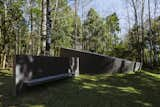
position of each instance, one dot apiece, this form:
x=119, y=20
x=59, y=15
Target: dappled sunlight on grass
x=144, y=104
x=129, y=90
x=102, y=86
x=156, y=76
x=36, y=106
x=6, y=73
x=105, y=85
x=87, y=77
x=89, y=85
x=141, y=89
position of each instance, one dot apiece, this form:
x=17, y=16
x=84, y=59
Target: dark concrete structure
x=92, y=63
x=32, y=70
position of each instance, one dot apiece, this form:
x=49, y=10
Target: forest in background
x=41, y=27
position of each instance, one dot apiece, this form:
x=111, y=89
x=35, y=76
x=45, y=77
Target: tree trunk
x=48, y=39
x=44, y=26
x=1, y=61
x=150, y=33
x=39, y=33
x=4, y=61
x=134, y=4
x=142, y=28
x=75, y=38
x=17, y=48
x=155, y=36
x=4, y=31
x=53, y=22
x=31, y=29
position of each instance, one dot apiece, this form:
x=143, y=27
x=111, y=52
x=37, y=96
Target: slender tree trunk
x=39, y=33
x=55, y=12
x=19, y=36
x=4, y=60
x=134, y=4
x=44, y=26
x=142, y=28
x=155, y=36
x=39, y=42
x=83, y=41
x=53, y=23
x=75, y=38
x=135, y=12
x=48, y=39
x=18, y=45
x=1, y=37
x=31, y=28
x=150, y=33
x=5, y=43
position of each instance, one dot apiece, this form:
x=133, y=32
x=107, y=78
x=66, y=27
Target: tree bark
x=142, y=28
x=155, y=36
x=75, y=38
x=44, y=26
x=134, y=4
x=5, y=44
x=48, y=39
x=4, y=61
x=150, y=33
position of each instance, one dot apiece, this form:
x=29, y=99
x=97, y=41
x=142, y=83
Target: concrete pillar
x=75, y=66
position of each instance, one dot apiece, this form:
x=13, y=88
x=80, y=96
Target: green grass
x=105, y=90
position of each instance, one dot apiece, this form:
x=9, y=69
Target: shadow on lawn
x=118, y=90
x=126, y=90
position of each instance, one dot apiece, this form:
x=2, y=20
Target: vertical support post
x=75, y=66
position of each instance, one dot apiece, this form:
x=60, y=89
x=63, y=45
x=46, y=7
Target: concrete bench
x=46, y=79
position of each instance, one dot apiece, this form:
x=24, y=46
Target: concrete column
x=75, y=66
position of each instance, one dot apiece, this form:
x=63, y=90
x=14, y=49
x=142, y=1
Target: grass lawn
x=117, y=90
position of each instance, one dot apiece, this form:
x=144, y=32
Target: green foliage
x=63, y=26
x=149, y=44
x=112, y=23
x=91, y=29
x=12, y=27
x=101, y=35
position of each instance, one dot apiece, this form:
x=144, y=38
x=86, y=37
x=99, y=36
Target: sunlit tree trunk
x=5, y=45
x=31, y=28
x=44, y=26
x=48, y=39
